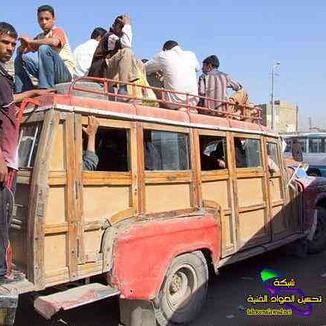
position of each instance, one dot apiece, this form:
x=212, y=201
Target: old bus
x=175, y=193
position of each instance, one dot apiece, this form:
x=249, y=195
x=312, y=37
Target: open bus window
x=166, y=151
x=247, y=153
x=212, y=153
x=28, y=142
x=112, y=149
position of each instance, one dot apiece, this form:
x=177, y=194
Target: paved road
x=226, y=296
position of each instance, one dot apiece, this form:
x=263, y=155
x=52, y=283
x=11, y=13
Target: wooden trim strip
x=197, y=195
x=250, y=208
x=56, y=228
x=216, y=175
x=250, y=173
x=277, y=203
x=97, y=178
x=57, y=178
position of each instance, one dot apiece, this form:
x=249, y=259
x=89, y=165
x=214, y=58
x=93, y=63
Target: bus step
x=49, y=305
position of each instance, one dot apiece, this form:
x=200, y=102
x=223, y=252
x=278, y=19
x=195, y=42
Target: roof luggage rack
x=103, y=88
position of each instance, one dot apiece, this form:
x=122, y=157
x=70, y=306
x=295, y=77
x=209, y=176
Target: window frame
x=251, y=137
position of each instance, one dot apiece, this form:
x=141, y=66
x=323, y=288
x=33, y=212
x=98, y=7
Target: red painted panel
x=143, y=254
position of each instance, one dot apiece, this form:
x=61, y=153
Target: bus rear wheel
x=318, y=242
x=183, y=291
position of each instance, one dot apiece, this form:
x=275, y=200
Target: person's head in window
x=240, y=154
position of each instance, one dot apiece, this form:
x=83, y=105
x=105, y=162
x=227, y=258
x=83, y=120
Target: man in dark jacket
x=113, y=57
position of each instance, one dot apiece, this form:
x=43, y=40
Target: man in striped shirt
x=214, y=84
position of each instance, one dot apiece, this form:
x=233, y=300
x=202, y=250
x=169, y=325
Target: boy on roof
x=55, y=62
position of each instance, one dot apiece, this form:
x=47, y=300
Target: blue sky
x=248, y=36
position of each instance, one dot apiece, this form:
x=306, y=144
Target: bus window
x=28, y=143
x=272, y=158
x=112, y=149
x=316, y=145
x=212, y=153
x=247, y=153
x=165, y=151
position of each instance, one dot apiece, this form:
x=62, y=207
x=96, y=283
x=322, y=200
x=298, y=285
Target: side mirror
x=297, y=152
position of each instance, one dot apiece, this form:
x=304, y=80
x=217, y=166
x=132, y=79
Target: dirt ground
x=226, y=302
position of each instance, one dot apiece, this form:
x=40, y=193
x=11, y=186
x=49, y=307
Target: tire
x=318, y=243
x=183, y=291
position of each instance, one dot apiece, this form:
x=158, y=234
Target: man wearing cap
x=214, y=84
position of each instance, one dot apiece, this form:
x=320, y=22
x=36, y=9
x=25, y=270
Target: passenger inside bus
x=240, y=154
x=153, y=160
x=90, y=159
x=213, y=153
x=112, y=149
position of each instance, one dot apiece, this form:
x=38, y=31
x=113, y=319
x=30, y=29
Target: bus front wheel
x=318, y=242
x=183, y=291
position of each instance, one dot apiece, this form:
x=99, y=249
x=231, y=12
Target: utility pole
x=273, y=114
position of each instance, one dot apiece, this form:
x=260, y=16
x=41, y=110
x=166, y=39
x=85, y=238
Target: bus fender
x=143, y=254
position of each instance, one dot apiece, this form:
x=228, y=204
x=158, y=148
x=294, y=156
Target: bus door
x=281, y=206
x=249, y=184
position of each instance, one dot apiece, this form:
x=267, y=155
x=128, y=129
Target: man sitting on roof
x=113, y=57
x=214, y=83
x=55, y=62
x=84, y=52
x=179, y=74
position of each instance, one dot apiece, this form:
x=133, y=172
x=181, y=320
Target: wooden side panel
x=104, y=201
x=160, y=198
x=250, y=192
x=18, y=234
x=92, y=241
x=275, y=189
x=55, y=247
x=228, y=239
x=252, y=226
x=55, y=212
x=57, y=160
x=253, y=219
x=217, y=191
x=278, y=222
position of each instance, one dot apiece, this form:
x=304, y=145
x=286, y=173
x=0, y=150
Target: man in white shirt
x=179, y=70
x=84, y=52
x=113, y=57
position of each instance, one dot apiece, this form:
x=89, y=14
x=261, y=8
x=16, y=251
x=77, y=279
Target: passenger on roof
x=84, y=52
x=179, y=74
x=113, y=57
x=55, y=62
x=214, y=84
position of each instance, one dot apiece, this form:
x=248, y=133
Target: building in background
x=286, y=116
